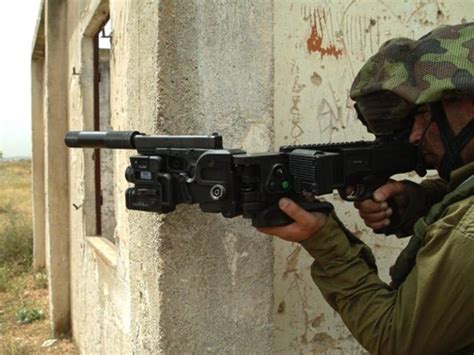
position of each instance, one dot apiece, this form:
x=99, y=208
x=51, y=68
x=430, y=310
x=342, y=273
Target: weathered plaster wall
x=56, y=176
x=100, y=290
x=39, y=205
x=205, y=281
x=38, y=137
x=184, y=282
x=189, y=282
x=319, y=47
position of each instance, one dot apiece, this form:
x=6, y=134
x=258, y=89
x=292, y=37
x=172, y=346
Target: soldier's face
x=425, y=134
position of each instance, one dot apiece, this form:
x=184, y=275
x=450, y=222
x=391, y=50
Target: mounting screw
x=217, y=192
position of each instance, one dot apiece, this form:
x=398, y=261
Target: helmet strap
x=453, y=145
x=420, y=165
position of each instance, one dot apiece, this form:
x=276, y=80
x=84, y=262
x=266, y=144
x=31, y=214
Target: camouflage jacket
x=431, y=311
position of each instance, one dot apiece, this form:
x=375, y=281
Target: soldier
x=426, y=86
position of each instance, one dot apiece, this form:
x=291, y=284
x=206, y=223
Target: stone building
x=262, y=74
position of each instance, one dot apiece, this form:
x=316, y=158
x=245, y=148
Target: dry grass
x=24, y=324
x=15, y=187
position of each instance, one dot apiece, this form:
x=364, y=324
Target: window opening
x=105, y=35
x=103, y=159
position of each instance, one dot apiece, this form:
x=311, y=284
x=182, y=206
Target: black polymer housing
x=170, y=170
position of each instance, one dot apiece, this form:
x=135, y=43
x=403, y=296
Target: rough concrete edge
x=38, y=35
x=96, y=18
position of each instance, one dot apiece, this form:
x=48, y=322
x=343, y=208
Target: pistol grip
x=364, y=191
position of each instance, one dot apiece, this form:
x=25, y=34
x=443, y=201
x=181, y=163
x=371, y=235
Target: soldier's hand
x=376, y=212
x=304, y=226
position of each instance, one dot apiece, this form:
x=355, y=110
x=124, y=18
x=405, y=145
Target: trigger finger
x=370, y=206
x=375, y=217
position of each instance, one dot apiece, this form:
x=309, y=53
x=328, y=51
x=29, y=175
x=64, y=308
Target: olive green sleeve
x=431, y=312
x=434, y=190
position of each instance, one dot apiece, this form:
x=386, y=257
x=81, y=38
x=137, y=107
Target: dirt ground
x=17, y=338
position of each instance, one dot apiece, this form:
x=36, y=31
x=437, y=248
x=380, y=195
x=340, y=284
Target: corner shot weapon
x=170, y=170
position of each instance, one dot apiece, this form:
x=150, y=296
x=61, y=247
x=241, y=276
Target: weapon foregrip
x=273, y=216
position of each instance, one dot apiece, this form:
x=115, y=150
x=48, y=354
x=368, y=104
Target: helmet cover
x=407, y=73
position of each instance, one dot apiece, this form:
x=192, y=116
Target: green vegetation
x=28, y=315
x=16, y=235
x=23, y=292
x=4, y=279
x=16, y=240
x=16, y=245
x=40, y=280
x=20, y=303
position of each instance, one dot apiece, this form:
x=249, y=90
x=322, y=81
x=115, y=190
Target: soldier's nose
x=416, y=131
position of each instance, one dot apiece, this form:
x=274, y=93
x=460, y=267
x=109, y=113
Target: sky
x=17, y=26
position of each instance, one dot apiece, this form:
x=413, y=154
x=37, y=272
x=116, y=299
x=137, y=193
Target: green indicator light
x=285, y=184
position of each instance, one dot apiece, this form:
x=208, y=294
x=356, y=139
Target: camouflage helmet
x=406, y=73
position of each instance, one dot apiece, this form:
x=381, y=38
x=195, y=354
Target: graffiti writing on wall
x=342, y=42
x=315, y=40
x=295, y=113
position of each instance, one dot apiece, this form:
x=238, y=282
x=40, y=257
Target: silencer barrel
x=101, y=139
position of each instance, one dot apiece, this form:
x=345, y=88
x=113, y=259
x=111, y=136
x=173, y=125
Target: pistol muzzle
x=101, y=139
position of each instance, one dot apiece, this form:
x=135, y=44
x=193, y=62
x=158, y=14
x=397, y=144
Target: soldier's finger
x=378, y=225
x=281, y=232
x=376, y=217
x=370, y=206
x=298, y=214
x=390, y=189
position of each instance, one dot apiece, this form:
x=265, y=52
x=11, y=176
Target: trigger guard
x=359, y=193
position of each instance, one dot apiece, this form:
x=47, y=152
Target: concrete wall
x=184, y=282
x=205, y=282
x=38, y=134
x=100, y=291
x=319, y=47
x=56, y=174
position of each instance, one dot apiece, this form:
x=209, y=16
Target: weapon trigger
x=358, y=192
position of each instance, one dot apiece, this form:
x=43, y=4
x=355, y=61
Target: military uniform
x=431, y=311
x=427, y=308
